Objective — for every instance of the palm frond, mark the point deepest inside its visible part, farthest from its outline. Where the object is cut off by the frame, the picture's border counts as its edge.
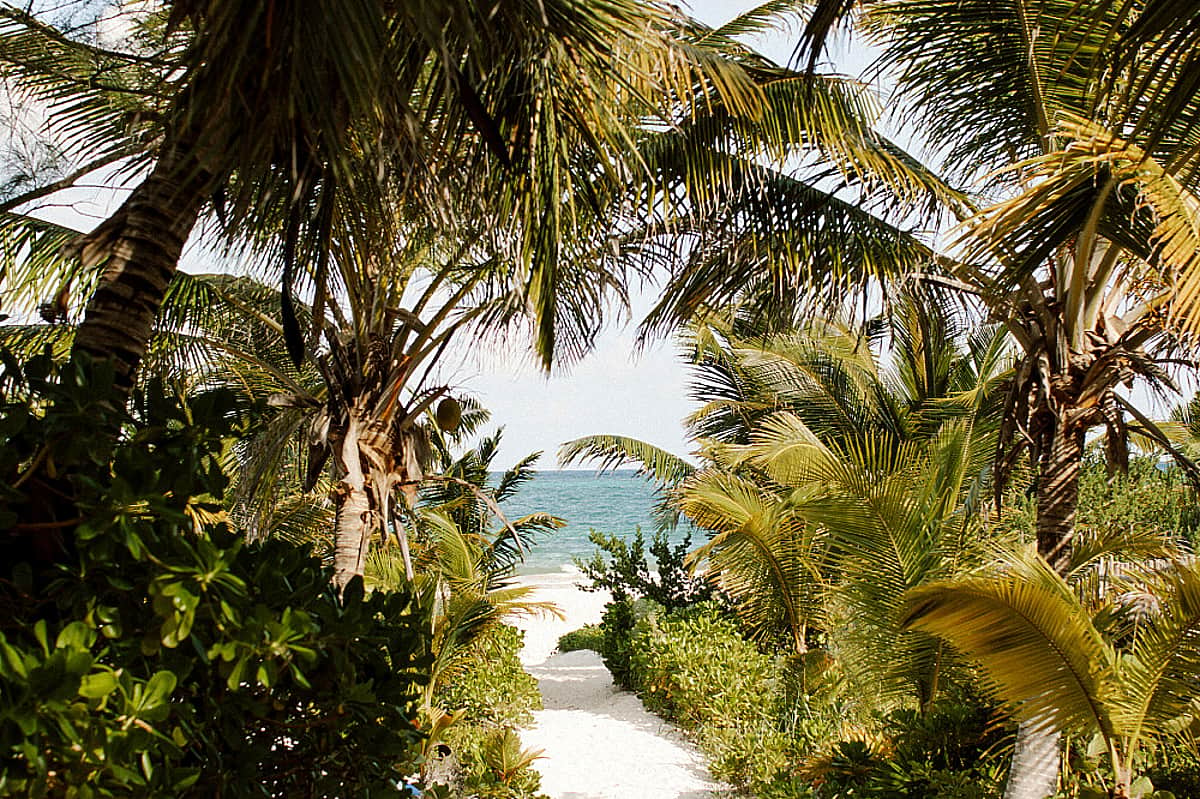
(611, 452)
(1035, 642)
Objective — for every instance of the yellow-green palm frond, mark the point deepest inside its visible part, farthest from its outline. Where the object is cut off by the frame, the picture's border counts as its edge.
(787, 449)
(760, 555)
(1034, 640)
(1159, 671)
(612, 452)
(1097, 186)
(36, 268)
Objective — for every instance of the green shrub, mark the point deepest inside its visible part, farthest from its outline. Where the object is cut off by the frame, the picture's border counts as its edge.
(952, 751)
(590, 636)
(490, 695)
(627, 574)
(491, 688)
(495, 765)
(695, 668)
(616, 626)
(148, 652)
(1175, 767)
(763, 736)
(1147, 498)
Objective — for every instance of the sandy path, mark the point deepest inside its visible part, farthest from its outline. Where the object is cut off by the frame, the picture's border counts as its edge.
(600, 743)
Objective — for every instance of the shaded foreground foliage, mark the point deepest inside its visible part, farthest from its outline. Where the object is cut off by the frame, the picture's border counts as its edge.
(761, 723)
(165, 657)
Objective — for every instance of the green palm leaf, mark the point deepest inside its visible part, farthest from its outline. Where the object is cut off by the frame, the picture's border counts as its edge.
(1032, 638)
(612, 452)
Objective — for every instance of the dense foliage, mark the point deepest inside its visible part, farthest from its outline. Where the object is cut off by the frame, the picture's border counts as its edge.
(494, 697)
(773, 726)
(622, 568)
(457, 169)
(158, 654)
(589, 636)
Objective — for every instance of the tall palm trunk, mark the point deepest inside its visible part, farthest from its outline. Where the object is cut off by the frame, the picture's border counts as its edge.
(1059, 466)
(140, 246)
(1036, 755)
(1035, 763)
(352, 534)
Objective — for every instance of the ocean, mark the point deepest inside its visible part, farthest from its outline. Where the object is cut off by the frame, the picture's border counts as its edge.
(616, 503)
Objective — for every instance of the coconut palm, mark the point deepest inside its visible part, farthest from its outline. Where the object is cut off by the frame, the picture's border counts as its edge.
(296, 123)
(305, 172)
(1077, 122)
(487, 122)
(360, 406)
(1122, 668)
(1081, 119)
(784, 538)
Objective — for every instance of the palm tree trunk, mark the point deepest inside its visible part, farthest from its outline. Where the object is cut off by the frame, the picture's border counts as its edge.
(1035, 763)
(1058, 488)
(139, 247)
(352, 535)
(1036, 755)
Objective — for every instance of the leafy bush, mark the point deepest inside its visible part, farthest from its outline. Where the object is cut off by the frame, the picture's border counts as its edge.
(616, 626)
(590, 636)
(742, 708)
(627, 574)
(1148, 498)
(695, 668)
(490, 696)
(147, 651)
(492, 689)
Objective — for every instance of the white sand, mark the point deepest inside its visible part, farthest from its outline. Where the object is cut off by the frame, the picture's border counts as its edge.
(598, 742)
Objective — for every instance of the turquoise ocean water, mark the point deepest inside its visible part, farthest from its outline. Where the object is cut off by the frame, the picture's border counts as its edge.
(615, 503)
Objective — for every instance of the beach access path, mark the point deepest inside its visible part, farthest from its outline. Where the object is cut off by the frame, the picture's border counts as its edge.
(598, 742)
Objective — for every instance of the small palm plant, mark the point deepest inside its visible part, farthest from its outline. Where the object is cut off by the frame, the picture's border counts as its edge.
(1119, 663)
(504, 756)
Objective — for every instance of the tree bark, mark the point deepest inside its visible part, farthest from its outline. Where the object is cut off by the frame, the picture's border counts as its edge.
(1036, 755)
(1058, 489)
(352, 534)
(1035, 763)
(139, 246)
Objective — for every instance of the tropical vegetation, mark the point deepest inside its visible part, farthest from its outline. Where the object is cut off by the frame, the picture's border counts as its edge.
(936, 542)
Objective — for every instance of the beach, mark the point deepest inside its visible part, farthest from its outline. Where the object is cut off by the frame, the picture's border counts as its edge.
(598, 742)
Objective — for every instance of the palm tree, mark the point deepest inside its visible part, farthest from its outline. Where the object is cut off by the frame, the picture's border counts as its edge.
(460, 586)
(296, 123)
(361, 406)
(1119, 664)
(808, 445)
(1083, 242)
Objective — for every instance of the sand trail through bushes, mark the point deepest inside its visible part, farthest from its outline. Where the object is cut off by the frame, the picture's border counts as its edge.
(598, 742)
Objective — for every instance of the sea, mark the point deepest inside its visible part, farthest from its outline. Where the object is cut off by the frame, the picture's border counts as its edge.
(616, 503)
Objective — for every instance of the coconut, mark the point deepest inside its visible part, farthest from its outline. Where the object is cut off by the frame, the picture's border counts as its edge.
(449, 414)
